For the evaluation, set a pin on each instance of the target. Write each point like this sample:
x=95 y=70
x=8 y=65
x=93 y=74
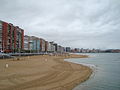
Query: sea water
x=106 y=75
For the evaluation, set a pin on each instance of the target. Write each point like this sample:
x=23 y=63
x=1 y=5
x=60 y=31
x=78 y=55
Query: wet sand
x=42 y=73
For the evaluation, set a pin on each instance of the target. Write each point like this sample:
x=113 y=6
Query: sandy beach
x=42 y=73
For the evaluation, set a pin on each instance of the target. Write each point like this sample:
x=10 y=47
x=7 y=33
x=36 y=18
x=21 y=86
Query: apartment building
x=11 y=38
x=68 y=49
x=42 y=45
x=47 y=47
x=60 y=49
x=31 y=44
x=26 y=42
x=36 y=44
x=52 y=46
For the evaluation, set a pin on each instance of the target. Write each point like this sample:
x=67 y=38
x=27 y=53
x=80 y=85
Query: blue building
x=35 y=44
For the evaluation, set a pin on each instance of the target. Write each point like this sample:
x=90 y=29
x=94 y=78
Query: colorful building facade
x=42 y=45
x=11 y=38
x=36 y=44
x=32 y=44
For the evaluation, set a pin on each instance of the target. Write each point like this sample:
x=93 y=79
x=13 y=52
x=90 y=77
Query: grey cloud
x=75 y=23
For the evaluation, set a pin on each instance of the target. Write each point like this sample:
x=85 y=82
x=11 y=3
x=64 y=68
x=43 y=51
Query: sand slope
x=42 y=73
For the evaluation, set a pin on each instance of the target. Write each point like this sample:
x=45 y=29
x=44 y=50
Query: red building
x=11 y=38
x=46 y=46
x=42 y=45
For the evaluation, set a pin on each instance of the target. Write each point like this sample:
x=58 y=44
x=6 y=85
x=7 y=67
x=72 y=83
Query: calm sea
x=106 y=74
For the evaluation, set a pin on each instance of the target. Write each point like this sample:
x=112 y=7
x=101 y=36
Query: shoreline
x=92 y=66
x=43 y=73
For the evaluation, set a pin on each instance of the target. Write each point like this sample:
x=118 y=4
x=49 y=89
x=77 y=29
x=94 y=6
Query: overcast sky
x=74 y=23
